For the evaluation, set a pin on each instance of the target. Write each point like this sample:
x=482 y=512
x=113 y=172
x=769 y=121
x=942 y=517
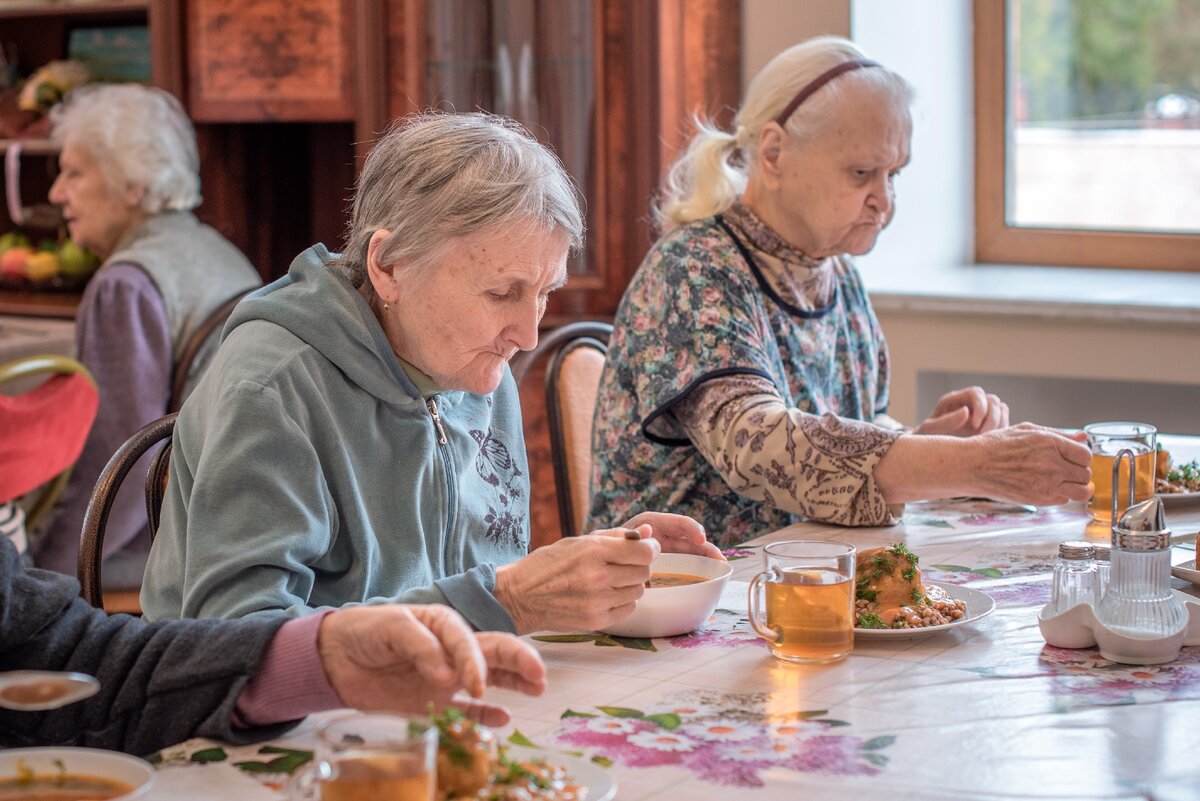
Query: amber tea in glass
x=371 y=758
x=809 y=591
x=1105 y=441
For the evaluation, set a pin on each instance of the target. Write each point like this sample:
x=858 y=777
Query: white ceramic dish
x=600 y=785
x=137 y=773
x=1179 y=498
x=667 y=611
x=979 y=605
x=75 y=687
x=1078 y=628
x=1186 y=571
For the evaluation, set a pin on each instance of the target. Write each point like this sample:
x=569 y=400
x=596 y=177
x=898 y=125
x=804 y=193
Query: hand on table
x=577 y=583
x=1029 y=463
x=676 y=533
x=400 y=658
x=964 y=413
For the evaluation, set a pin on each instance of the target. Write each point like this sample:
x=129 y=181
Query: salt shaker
x=1074 y=576
x=1103 y=569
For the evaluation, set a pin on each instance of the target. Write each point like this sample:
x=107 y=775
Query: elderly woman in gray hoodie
x=359 y=439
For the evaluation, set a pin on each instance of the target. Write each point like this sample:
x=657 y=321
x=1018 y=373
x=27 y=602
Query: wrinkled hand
x=578 y=583
x=398 y=658
x=964 y=413
x=1028 y=463
x=676 y=533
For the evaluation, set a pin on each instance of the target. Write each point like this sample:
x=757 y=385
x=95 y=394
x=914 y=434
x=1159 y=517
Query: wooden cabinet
x=288 y=95
x=610 y=84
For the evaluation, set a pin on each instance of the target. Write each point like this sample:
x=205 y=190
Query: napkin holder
x=1078 y=628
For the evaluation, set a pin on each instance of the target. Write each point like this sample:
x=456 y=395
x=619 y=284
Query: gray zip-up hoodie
x=307 y=471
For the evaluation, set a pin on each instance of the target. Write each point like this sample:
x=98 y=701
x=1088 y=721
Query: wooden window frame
x=998 y=242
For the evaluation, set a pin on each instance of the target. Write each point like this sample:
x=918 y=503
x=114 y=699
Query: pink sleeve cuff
x=291 y=682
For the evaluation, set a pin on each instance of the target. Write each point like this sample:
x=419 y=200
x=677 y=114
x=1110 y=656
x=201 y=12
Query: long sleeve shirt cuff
x=470 y=594
x=291 y=682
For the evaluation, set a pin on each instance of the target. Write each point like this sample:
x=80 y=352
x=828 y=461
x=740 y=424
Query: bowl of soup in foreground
x=49 y=774
x=684 y=590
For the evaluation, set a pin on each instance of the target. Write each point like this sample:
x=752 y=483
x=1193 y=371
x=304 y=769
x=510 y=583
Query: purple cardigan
x=122 y=337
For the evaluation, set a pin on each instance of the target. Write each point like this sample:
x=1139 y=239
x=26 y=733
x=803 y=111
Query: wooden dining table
x=983 y=710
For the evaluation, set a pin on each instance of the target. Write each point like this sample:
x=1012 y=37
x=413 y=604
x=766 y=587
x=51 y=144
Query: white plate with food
x=1179 y=498
x=1186 y=571
x=979 y=605
x=582 y=772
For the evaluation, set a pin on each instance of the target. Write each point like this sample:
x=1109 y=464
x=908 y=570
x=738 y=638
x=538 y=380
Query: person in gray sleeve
x=242 y=680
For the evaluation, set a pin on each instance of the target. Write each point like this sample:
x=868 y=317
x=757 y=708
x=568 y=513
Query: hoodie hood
x=319 y=306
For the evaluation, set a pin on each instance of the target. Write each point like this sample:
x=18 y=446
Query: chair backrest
x=575 y=359
x=91 y=543
x=42 y=431
x=196 y=343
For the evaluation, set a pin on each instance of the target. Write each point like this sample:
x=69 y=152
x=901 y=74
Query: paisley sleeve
x=819 y=466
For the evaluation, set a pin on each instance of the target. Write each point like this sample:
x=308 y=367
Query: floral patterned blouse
x=739 y=377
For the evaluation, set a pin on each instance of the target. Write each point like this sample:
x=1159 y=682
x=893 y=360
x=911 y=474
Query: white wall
x=935 y=193
x=771 y=26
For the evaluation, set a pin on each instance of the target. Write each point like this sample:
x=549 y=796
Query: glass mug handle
x=303 y=785
x=754 y=606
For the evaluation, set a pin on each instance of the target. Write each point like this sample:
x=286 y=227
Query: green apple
x=75 y=261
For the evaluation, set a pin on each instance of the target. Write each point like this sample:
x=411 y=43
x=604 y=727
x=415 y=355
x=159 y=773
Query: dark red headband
x=819 y=81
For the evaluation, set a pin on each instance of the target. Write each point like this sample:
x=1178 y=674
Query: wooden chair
x=575 y=359
x=91 y=544
x=183 y=367
x=42 y=431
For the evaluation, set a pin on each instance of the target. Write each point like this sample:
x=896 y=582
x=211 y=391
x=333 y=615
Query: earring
x=387 y=306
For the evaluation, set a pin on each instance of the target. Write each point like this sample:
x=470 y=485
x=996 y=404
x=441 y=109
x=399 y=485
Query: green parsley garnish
x=870 y=620
x=867 y=595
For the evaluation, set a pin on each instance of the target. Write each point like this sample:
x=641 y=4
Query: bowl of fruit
x=62 y=266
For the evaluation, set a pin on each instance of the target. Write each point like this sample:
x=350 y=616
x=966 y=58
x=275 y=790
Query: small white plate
x=600 y=785
x=979 y=605
x=1186 y=571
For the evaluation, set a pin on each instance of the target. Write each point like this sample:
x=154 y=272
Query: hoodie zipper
x=449 y=566
x=437 y=420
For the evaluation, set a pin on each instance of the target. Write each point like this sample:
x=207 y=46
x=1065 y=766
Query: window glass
x=1103 y=115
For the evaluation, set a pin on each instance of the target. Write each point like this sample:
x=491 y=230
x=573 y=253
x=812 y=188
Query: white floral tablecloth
x=982 y=711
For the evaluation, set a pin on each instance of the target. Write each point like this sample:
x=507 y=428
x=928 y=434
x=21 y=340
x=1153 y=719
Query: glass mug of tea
x=369 y=758
x=1106 y=440
x=809 y=591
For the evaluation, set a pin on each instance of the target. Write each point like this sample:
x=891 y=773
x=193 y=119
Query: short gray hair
x=712 y=172
x=138 y=135
x=436 y=177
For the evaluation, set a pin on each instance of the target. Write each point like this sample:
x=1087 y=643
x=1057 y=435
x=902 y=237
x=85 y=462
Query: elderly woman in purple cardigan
x=128 y=181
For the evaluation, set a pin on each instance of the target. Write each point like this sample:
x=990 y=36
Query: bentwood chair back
x=91 y=544
x=575 y=359
x=195 y=344
x=43 y=430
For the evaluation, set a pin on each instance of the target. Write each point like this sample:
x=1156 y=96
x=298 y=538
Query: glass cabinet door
x=533 y=61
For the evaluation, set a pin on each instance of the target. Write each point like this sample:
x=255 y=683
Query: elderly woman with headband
x=129 y=178
x=358 y=437
x=747 y=377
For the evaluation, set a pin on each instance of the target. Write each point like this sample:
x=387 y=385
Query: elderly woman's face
x=97 y=213
x=476 y=306
x=835 y=188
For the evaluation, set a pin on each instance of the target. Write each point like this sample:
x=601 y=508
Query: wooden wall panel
x=270 y=60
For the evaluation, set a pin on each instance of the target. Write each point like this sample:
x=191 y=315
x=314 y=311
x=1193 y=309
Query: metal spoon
x=39 y=690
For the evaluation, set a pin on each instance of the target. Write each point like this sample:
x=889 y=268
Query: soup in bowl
x=682 y=592
x=58 y=774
